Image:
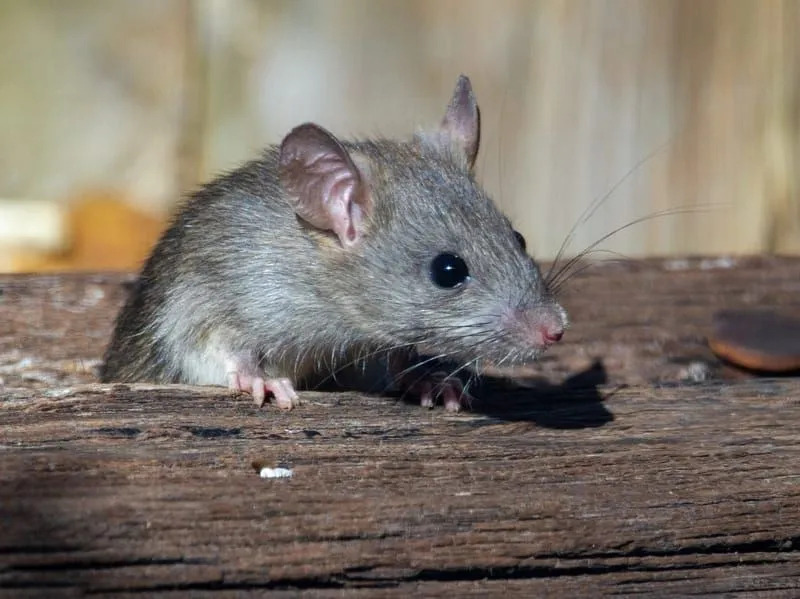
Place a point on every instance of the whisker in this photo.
(586, 267)
(413, 367)
(641, 219)
(361, 358)
(590, 210)
(577, 260)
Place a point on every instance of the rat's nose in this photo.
(539, 327)
(549, 333)
(547, 325)
(552, 335)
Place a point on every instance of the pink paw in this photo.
(282, 390)
(438, 385)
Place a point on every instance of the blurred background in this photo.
(111, 110)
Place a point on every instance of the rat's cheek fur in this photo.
(503, 334)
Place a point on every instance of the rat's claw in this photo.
(451, 390)
(439, 385)
(258, 391)
(426, 396)
(451, 397)
(283, 391)
(430, 387)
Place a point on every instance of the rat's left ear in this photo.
(461, 125)
(326, 187)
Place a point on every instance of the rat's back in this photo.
(188, 294)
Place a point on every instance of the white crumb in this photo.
(276, 473)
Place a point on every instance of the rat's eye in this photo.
(448, 270)
(521, 240)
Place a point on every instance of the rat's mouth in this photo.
(529, 369)
(490, 362)
(499, 355)
(483, 366)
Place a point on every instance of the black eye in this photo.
(521, 240)
(448, 270)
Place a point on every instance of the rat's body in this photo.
(321, 251)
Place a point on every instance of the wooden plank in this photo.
(649, 490)
(640, 485)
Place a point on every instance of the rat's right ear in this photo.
(459, 133)
(462, 121)
(325, 185)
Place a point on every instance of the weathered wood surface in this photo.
(625, 478)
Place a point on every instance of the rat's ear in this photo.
(326, 187)
(461, 124)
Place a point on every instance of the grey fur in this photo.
(238, 273)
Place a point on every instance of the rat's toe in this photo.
(449, 390)
(452, 397)
(259, 391)
(233, 381)
(426, 395)
(283, 391)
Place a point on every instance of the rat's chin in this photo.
(505, 367)
(489, 361)
(483, 364)
(525, 370)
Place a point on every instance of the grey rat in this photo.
(323, 250)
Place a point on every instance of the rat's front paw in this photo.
(438, 385)
(428, 384)
(282, 390)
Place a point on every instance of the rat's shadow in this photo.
(576, 403)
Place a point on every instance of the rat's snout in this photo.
(540, 326)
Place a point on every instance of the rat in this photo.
(321, 251)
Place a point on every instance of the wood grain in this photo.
(624, 478)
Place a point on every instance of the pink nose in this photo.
(552, 336)
(550, 333)
(538, 327)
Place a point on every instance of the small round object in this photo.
(449, 270)
(757, 339)
(521, 240)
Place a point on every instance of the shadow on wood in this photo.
(576, 403)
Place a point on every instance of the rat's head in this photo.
(425, 258)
